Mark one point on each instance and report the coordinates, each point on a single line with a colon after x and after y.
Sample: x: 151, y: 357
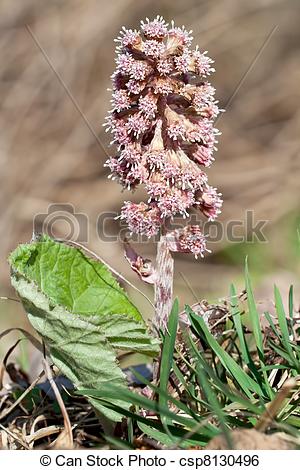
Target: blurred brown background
x: 48, y: 154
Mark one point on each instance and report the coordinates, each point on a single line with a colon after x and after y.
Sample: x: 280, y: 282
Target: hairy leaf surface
x: 80, y: 311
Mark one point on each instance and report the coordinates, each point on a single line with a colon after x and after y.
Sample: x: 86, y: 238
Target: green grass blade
x: 256, y: 329
x: 291, y: 303
x: 253, y: 314
x: 179, y: 441
x: 182, y: 380
x: 236, y: 316
x: 179, y: 404
x: 282, y: 320
x: 272, y: 325
x: 247, y: 384
x: 214, y: 402
x: 179, y: 436
x: 167, y: 356
x: 221, y: 386
x: 109, y: 392
x: 158, y: 435
x: 286, y: 356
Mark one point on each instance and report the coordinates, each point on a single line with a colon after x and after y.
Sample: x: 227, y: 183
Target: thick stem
x: 163, y: 292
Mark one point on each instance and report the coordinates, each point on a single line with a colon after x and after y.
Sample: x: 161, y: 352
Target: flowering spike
x: 162, y: 120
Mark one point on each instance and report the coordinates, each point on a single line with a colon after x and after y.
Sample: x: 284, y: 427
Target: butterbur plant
x: 162, y: 121
x: 162, y: 116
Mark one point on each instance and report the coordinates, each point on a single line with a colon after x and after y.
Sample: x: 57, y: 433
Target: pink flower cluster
x: 162, y: 120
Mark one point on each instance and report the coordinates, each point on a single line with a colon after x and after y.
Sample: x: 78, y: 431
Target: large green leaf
x: 68, y: 277
x: 81, y: 312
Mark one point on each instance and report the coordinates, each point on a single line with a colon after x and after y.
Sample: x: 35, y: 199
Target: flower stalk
x: 163, y: 287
